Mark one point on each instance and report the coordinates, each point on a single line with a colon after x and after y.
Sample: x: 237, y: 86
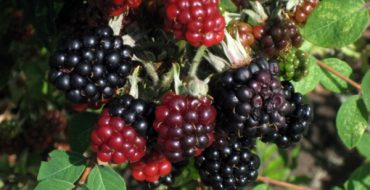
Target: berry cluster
x: 120, y: 133
x: 151, y: 168
x: 231, y: 167
x: 185, y: 126
x: 250, y: 96
x: 304, y: 10
x: 293, y: 65
x: 200, y: 22
x: 279, y: 36
x: 298, y: 120
x: 91, y: 67
x: 120, y: 6
x: 244, y: 31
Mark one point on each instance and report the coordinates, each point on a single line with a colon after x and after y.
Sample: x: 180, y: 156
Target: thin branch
x: 196, y: 61
x: 281, y: 183
x: 84, y: 175
x: 340, y: 75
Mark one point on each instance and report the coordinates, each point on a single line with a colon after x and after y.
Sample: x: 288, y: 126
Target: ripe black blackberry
x: 250, y: 99
x: 91, y: 67
x: 228, y: 168
x: 298, y: 120
x: 279, y: 36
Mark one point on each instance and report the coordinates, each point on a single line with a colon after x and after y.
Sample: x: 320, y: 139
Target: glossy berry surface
x: 303, y: 11
x: 121, y: 132
x: 90, y: 68
x: 151, y: 168
x: 185, y: 125
x: 298, y: 120
x: 228, y: 168
x: 243, y: 31
x: 120, y: 6
x: 250, y: 98
x: 279, y: 36
x: 200, y: 22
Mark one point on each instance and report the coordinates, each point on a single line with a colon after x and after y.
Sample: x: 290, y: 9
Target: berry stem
x: 150, y: 69
x: 84, y: 175
x: 345, y: 78
x: 196, y: 61
x: 281, y: 183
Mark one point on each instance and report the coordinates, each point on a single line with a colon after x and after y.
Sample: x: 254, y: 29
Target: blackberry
x: 168, y: 180
x: 120, y: 6
x: 244, y: 31
x: 298, y: 120
x: 199, y: 22
x: 293, y: 65
x: 122, y: 130
x: 280, y: 36
x: 250, y: 99
x: 227, y: 168
x: 185, y: 125
x: 303, y: 11
x: 91, y: 67
x: 151, y: 168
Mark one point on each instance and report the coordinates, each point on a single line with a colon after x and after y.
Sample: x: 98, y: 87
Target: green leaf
x: 262, y: 187
x: 62, y: 165
x: 332, y: 82
x: 336, y: 23
x: 79, y: 130
x: 227, y: 5
x: 273, y: 164
x: 105, y: 178
x: 359, y: 179
x: 365, y: 88
x: 351, y: 121
x: 363, y: 146
x: 54, y: 184
x: 308, y: 83
x: 83, y: 187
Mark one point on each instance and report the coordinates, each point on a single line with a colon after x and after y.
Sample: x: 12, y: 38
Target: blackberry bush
x: 183, y: 94
x: 91, y: 67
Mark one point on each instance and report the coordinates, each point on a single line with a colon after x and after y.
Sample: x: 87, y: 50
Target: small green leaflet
x: 273, y: 164
x: 261, y: 187
x: 365, y: 88
x: 105, y: 178
x: 62, y: 165
x: 332, y: 82
x: 336, y: 23
x: 54, y: 184
x: 308, y: 83
x: 364, y: 145
x: 227, y: 5
x: 351, y: 121
x: 359, y: 179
